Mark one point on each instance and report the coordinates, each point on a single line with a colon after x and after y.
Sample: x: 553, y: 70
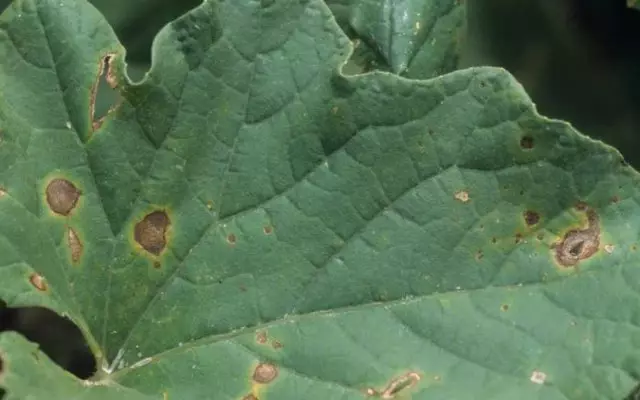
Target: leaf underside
x: 250, y: 223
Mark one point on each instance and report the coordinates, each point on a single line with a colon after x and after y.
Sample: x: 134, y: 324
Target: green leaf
x: 249, y: 223
x: 416, y: 38
x: 634, y: 3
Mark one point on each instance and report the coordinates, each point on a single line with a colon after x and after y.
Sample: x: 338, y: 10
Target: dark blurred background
x: 578, y: 59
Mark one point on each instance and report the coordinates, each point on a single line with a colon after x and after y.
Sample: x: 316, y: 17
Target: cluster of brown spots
x: 232, y: 239
x: 38, y: 282
x: 75, y: 245
x: 62, y: 196
x: 531, y: 217
x: 268, y: 230
x: 579, y: 244
x: 526, y: 142
x: 261, y: 337
x: 400, y: 384
x: 504, y: 307
x: 462, y: 196
x: 151, y: 232
x: 265, y: 373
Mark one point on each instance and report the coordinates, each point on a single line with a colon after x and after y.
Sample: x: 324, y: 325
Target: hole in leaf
x: 58, y: 337
x: 104, y: 99
x: 62, y: 196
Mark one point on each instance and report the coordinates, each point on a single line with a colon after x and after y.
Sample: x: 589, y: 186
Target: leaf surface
x: 415, y: 38
x: 249, y: 223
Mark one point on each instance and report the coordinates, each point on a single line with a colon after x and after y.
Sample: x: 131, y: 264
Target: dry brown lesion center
x: 151, y: 232
x: 579, y: 244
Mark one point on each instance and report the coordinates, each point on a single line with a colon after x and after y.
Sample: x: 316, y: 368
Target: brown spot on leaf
x: 615, y: 199
x: 231, y: 239
x: 276, y: 344
x: 579, y: 244
x: 250, y: 396
x: 609, y: 248
x: 151, y: 232
x: 38, y: 282
x: 462, y: 196
x: 494, y: 240
x: 3, y: 192
x: 479, y: 255
x: 157, y: 265
x: 504, y: 307
x: 75, y: 245
x: 518, y: 238
x: 62, y: 196
x: 268, y: 230
x: 540, y: 236
x: 531, y: 217
x: 261, y: 337
x: 400, y: 384
x: 526, y: 142
x: 265, y: 373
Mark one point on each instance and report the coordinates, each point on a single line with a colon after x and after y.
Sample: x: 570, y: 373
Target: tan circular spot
x: 265, y: 373
x: 62, y: 196
x: 150, y: 233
